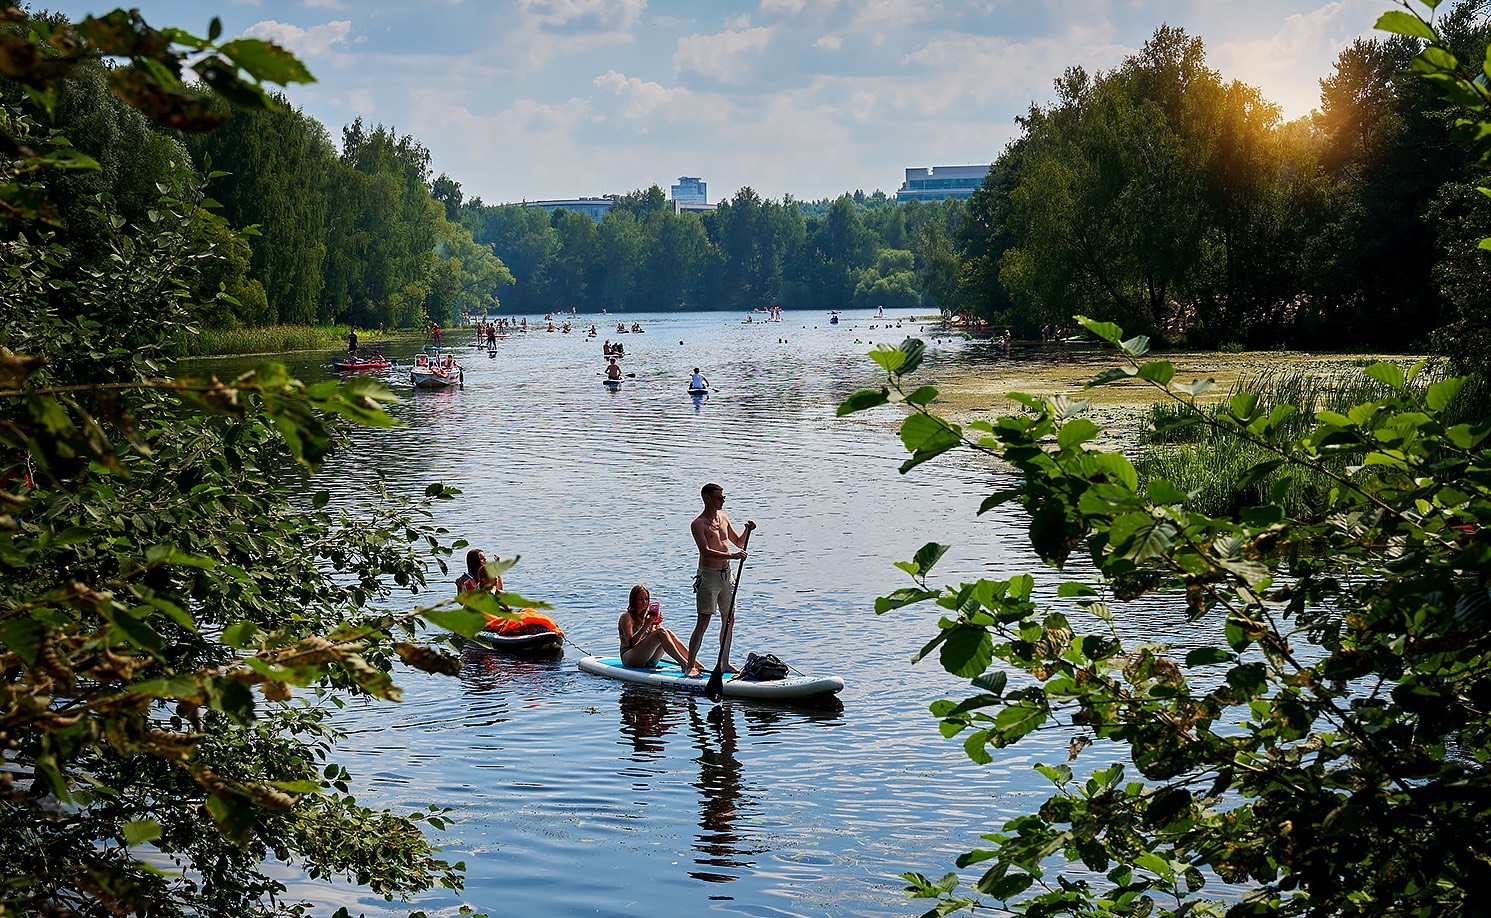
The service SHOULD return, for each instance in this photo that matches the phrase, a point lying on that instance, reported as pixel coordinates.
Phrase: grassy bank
(277, 339)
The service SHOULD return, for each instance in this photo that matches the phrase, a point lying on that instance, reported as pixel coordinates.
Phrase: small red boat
(353, 364)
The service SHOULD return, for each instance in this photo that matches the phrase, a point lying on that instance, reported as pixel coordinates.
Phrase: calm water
(576, 795)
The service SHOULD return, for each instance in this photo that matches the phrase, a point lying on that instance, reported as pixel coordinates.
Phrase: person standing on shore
(713, 585)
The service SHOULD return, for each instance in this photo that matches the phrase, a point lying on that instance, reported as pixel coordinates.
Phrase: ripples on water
(576, 795)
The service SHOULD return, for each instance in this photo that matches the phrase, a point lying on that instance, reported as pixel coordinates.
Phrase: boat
(359, 364)
(435, 369)
(534, 632)
(520, 643)
(669, 675)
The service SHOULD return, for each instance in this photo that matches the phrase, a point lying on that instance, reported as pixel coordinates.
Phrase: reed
(267, 339)
(1209, 461)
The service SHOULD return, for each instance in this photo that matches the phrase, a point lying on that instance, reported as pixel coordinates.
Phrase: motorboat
(435, 369)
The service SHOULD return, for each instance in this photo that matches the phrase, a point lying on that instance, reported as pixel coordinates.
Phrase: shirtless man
(713, 534)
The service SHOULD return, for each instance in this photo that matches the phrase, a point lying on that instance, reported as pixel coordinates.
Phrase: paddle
(715, 689)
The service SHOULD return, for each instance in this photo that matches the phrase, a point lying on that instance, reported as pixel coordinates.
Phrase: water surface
(576, 795)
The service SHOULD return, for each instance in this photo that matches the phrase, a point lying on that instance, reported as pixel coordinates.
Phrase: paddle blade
(715, 690)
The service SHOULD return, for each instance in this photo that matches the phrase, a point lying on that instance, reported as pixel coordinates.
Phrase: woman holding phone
(644, 640)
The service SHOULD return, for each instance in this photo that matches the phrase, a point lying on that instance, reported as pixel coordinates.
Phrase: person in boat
(613, 370)
(477, 577)
(637, 327)
(351, 341)
(713, 585)
(644, 640)
(697, 381)
(618, 349)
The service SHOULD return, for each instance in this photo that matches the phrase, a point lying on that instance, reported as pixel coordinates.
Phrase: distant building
(941, 182)
(689, 191)
(594, 208)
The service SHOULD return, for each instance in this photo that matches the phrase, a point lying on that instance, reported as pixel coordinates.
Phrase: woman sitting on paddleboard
(643, 638)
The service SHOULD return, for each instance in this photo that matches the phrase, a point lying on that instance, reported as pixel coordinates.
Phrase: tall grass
(268, 339)
(1210, 462)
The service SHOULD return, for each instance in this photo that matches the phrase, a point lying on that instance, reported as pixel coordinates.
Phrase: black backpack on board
(762, 667)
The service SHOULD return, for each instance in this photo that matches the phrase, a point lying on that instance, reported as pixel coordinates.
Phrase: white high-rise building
(689, 190)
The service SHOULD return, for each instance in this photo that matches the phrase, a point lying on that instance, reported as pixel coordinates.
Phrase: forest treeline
(1178, 204)
(1158, 195)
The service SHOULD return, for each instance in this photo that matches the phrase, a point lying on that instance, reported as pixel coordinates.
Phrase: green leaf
(1136, 346)
(1072, 588)
(1389, 374)
(1061, 774)
(266, 62)
(1106, 330)
(888, 357)
(242, 635)
(1158, 371)
(992, 682)
(967, 652)
(997, 499)
(1402, 23)
(141, 831)
(461, 621)
(928, 555)
(914, 349)
(21, 636)
(1441, 393)
(1204, 656)
(922, 396)
(1075, 432)
(865, 398)
(1112, 374)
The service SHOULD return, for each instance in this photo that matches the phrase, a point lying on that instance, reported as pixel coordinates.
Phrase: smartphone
(655, 611)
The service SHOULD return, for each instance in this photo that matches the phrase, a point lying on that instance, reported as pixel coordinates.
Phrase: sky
(537, 99)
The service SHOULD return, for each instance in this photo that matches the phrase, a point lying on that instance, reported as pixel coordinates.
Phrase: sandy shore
(969, 390)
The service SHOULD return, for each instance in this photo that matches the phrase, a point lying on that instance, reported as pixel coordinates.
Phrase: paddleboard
(698, 392)
(611, 383)
(527, 643)
(669, 675)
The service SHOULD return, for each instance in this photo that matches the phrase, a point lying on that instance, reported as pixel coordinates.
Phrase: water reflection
(645, 718)
(722, 797)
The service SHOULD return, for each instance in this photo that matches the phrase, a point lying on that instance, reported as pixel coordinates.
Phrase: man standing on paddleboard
(713, 585)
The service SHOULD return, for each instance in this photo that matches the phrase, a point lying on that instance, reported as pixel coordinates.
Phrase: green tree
(279, 164)
(383, 230)
(168, 584)
(1322, 745)
(1318, 743)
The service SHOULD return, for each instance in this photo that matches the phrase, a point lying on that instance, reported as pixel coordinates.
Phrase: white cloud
(724, 56)
(617, 15)
(830, 42)
(642, 100)
(310, 42)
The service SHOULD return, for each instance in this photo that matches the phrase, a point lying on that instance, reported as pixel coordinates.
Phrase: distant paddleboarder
(697, 381)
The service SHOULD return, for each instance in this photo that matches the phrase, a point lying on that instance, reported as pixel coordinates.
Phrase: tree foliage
(1165, 198)
(179, 607)
(1323, 750)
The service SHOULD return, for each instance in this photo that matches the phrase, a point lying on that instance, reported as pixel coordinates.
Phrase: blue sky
(531, 99)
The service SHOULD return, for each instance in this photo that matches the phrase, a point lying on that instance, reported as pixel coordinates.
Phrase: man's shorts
(713, 589)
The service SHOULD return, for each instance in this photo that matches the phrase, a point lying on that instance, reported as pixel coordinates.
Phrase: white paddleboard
(667, 674)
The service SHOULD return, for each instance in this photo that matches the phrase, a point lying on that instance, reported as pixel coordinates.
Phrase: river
(574, 795)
